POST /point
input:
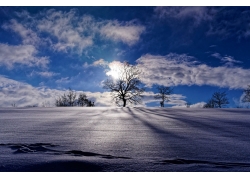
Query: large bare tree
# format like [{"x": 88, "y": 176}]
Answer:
[
  {"x": 127, "y": 87},
  {"x": 163, "y": 94}
]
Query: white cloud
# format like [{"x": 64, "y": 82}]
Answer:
[
  {"x": 196, "y": 105},
  {"x": 61, "y": 26},
  {"x": 46, "y": 74},
  {"x": 174, "y": 69},
  {"x": 66, "y": 31},
  {"x": 23, "y": 94},
  {"x": 228, "y": 60},
  {"x": 20, "y": 54},
  {"x": 63, "y": 80},
  {"x": 197, "y": 13},
  {"x": 239, "y": 102},
  {"x": 128, "y": 32},
  {"x": 216, "y": 55},
  {"x": 28, "y": 36},
  {"x": 100, "y": 62},
  {"x": 236, "y": 27}
]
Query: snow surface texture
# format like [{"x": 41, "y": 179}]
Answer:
[{"x": 124, "y": 139}]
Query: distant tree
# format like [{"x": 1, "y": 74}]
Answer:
[
  {"x": 46, "y": 104},
  {"x": 163, "y": 94},
  {"x": 218, "y": 100},
  {"x": 246, "y": 97},
  {"x": 64, "y": 100},
  {"x": 71, "y": 97},
  {"x": 89, "y": 103},
  {"x": 188, "y": 104},
  {"x": 126, "y": 88},
  {"x": 13, "y": 105},
  {"x": 209, "y": 104},
  {"x": 82, "y": 99}
]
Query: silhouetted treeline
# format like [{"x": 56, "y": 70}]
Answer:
[{"x": 71, "y": 99}]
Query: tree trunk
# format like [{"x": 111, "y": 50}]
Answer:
[{"x": 124, "y": 102}]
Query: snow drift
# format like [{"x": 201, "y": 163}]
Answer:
[{"x": 124, "y": 139}]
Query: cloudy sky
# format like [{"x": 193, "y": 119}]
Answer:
[{"x": 196, "y": 50}]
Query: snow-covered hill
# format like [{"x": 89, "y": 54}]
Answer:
[{"x": 124, "y": 139}]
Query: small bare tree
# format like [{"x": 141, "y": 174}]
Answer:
[
  {"x": 71, "y": 97},
  {"x": 82, "y": 99},
  {"x": 209, "y": 104},
  {"x": 218, "y": 100},
  {"x": 64, "y": 100},
  {"x": 127, "y": 87},
  {"x": 246, "y": 97},
  {"x": 14, "y": 104},
  {"x": 163, "y": 94}
]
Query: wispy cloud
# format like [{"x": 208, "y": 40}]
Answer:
[
  {"x": 237, "y": 26},
  {"x": 100, "y": 62},
  {"x": 27, "y": 35},
  {"x": 174, "y": 69},
  {"x": 22, "y": 94},
  {"x": 126, "y": 32},
  {"x": 21, "y": 54},
  {"x": 67, "y": 31},
  {"x": 228, "y": 60},
  {"x": 198, "y": 14},
  {"x": 46, "y": 74},
  {"x": 196, "y": 105},
  {"x": 61, "y": 26}
]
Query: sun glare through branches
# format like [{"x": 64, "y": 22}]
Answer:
[{"x": 115, "y": 70}]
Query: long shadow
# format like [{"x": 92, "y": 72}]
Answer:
[
  {"x": 207, "y": 127},
  {"x": 159, "y": 131},
  {"x": 46, "y": 148},
  {"x": 57, "y": 166},
  {"x": 240, "y": 111},
  {"x": 203, "y": 162}
]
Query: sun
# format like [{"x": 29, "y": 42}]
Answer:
[
  {"x": 114, "y": 74},
  {"x": 115, "y": 70}
]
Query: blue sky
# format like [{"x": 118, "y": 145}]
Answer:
[{"x": 196, "y": 50}]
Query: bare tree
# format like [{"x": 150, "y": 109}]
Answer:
[
  {"x": 246, "y": 97},
  {"x": 209, "y": 104},
  {"x": 64, "y": 100},
  {"x": 126, "y": 88},
  {"x": 218, "y": 100},
  {"x": 82, "y": 99},
  {"x": 89, "y": 103},
  {"x": 71, "y": 97},
  {"x": 14, "y": 104},
  {"x": 163, "y": 94}
]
